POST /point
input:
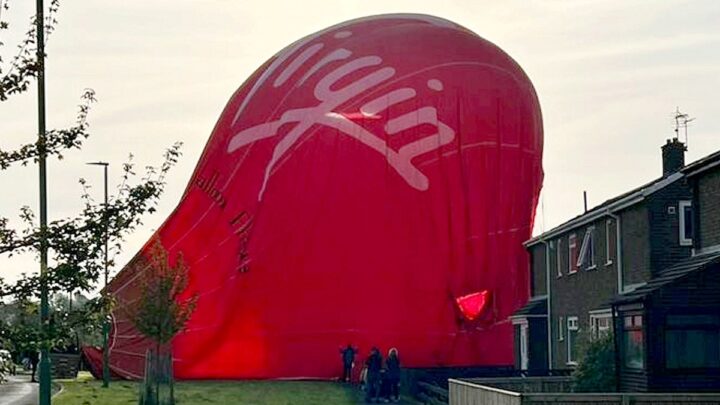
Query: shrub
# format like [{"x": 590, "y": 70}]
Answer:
[{"x": 596, "y": 369}]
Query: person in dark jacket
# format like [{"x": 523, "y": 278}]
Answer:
[
  {"x": 374, "y": 365},
  {"x": 34, "y": 360},
  {"x": 393, "y": 374},
  {"x": 348, "y": 359}
]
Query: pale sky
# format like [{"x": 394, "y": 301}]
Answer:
[{"x": 608, "y": 74}]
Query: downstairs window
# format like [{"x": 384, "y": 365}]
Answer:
[{"x": 692, "y": 341}]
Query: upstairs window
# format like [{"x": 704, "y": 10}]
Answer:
[
  {"x": 686, "y": 223},
  {"x": 572, "y": 254},
  {"x": 587, "y": 251},
  {"x": 558, "y": 258}
]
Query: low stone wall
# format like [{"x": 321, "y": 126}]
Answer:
[
  {"x": 464, "y": 392},
  {"x": 64, "y": 365}
]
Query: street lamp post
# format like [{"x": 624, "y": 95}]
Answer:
[
  {"x": 106, "y": 324},
  {"x": 44, "y": 391}
]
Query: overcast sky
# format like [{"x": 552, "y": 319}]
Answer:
[{"x": 608, "y": 74}]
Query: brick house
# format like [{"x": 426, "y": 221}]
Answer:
[
  {"x": 668, "y": 331},
  {"x": 610, "y": 250}
]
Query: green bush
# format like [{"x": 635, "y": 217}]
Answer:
[{"x": 596, "y": 369}]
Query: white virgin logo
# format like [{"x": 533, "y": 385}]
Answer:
[{"x": 324, "y": 114}]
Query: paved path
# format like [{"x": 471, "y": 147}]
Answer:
[{"x": 18, "y": 391}]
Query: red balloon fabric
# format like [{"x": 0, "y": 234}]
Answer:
[{"x": 355, "y": 188}]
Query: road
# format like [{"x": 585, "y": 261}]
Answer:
[{"x": 18, "y": 391}]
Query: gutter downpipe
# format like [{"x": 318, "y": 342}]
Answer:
[
  {"x": 618, "y": 251},
  {"x": 620, "y": 288},
  {"x": 549, "y": 301}
]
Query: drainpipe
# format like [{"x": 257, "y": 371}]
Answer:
[
  {"x": 549, "y": 301},
  {"x": 618, "y": 251},
  {"x": 616, "y": 323},
  {"x": 616, "y": 344}
]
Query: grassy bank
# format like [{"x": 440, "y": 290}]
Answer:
[{"x": 86, "y": 391}]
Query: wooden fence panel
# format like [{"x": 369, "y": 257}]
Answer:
[
  {"x": 527, "y": 384},
  {"x": 572, "y": 399},
  {"x": 463, "y": 393}
]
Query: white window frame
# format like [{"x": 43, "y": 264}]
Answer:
[
  {"x": 681, "y": 207},
  {"x": 572, "y": 325},
  {"x": 595, "y": 326},
  {"x": 572, "y": 244},
  {"x": 585, "y": 254},
  {"x": 608, "y": 226},
  {"x": 561, "y": 329},
  {"x": 558, "y": 258}
]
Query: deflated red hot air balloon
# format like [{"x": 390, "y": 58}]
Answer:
[{"x": 370, "y": 184}]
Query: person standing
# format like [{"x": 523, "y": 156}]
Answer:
[
  {"x": 34, "y": 360},
  {"x": 348, "y": 359},
  {"x": 374, "y": 365},
  {"x": 393, "y": 374}
]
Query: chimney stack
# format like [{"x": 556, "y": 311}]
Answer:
[{"x": 673, "y": 155}]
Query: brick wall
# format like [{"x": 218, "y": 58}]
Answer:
[
  {"x": 537, "y": 269},
  {"x": 579, "y": 293},
  {"x": 664, "y": 220},
  {"x": 709, "y": 207},
  {"x": 635, "y": 244}
]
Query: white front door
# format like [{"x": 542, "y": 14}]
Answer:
[{"x": 524, "y": 347}]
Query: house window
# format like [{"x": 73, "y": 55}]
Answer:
[
  {"x": 572, "y": 254},
  {"x": 558, "y": 257},
  {"x": 692, "y": 341},
  {"x": 608, "y": 242},
  {"x": 633, "y": 342},
  {"x": 686, "y": 223},
  {"x": 561, "y": 329},
  {"x": 572, "y": 339},
  {"x": 600, "y": 324},
  {"x": 587, "y": 250}
]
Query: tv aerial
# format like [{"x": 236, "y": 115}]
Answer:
[{"x": 681, "y": 121}]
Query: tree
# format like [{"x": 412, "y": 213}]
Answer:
[
  {"x": 70, "y": 326},
  {"x": 160, "y": 313},
  {"x": 16, "y": 76},
  {"x": 596, "y": 369},
  {"x": 75, "y": 244},
  {"x": 77, "y": 321},
  {"x": 20, "y": 328}
]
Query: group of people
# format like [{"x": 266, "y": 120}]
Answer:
[{"x": 380, "y": 378}]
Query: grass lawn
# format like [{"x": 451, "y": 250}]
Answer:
[{"x": 87, "y": 391}]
